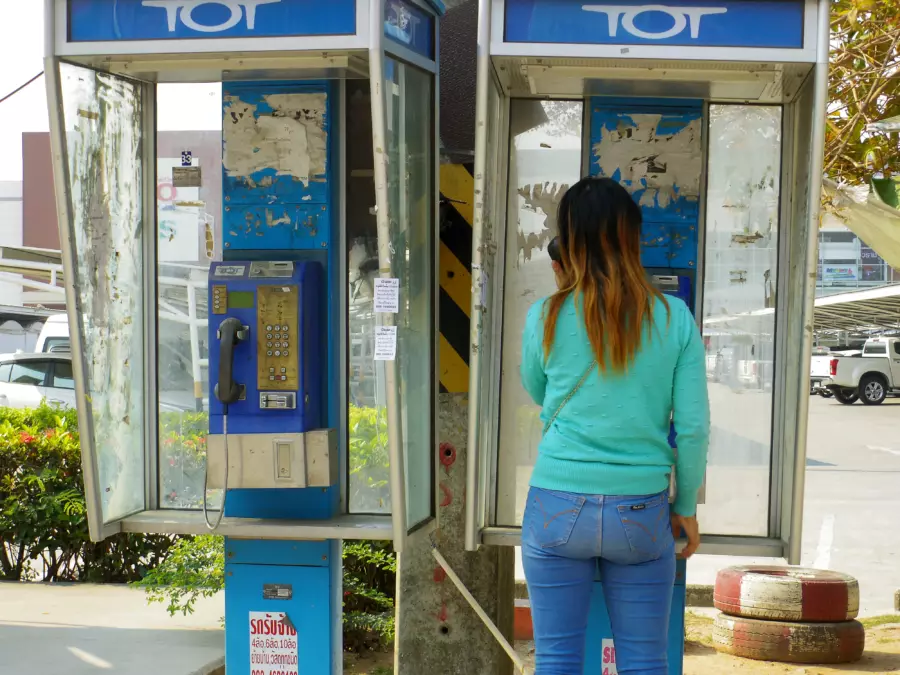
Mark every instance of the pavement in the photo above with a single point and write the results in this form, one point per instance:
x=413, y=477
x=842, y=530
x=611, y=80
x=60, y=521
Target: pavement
x=84, y=629
x=851, y=517
x=851, y=520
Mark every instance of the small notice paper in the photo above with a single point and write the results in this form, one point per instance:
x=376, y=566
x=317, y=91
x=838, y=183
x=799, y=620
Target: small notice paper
x=387, y=295
x=385, y=343
x=609, y=658
x=273, y=644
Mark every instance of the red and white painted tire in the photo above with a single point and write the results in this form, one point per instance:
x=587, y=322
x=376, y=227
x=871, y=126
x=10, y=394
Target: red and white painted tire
x=786, y=642
x=786, y=594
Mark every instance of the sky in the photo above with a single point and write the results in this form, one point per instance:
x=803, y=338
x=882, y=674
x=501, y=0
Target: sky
x=21, y=53
x=180, y=106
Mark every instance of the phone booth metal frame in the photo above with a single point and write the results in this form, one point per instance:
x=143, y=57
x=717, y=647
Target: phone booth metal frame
x=641, y=60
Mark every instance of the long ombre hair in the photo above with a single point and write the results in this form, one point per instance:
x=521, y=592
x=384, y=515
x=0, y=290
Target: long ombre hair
x=600, y=248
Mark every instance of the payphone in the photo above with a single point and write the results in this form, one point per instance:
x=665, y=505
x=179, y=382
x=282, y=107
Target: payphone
x=713, y=119
x=266, y=356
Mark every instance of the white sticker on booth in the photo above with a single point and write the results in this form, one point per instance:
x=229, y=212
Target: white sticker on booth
x=385, y=343
x=273, y=644
x=609, y=658
x=387, y=295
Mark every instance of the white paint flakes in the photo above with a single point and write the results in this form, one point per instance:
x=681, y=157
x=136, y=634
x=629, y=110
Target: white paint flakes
x=663, y=164
x=291, y=139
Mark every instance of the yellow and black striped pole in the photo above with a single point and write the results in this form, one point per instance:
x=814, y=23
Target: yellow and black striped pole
x=457, y=194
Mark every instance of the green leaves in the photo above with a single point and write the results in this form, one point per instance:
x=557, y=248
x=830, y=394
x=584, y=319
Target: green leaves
x=44, y=534
x=194, y=569
x=864, y=88
x=43, y=515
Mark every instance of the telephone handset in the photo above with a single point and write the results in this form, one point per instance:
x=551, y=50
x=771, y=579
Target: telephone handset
x=231, y=332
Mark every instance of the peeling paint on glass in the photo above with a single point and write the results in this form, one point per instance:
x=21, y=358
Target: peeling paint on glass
x=102, y=117
x=670, y=173
x=742, y=212
x=544, y=159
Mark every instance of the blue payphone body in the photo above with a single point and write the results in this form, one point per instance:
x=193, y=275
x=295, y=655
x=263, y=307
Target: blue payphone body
x=653, y=148
x=277, y=364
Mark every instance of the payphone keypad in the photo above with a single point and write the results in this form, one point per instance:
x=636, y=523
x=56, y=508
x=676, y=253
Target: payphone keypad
x=220, y=299
x=277, y=334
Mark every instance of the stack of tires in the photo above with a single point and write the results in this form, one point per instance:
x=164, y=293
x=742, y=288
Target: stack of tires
x=788, y=615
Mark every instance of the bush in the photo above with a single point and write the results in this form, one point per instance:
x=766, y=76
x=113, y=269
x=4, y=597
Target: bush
x=369, y=461
x=44, y=532
x=43, y=517
x=182, y=447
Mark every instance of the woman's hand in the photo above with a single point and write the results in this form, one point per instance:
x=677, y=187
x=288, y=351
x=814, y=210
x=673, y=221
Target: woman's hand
x=691, y=530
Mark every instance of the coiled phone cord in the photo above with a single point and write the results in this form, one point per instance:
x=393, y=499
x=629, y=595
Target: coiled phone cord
x=210, y=526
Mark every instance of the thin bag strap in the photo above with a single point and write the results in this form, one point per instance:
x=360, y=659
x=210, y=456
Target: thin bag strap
x=569, y=397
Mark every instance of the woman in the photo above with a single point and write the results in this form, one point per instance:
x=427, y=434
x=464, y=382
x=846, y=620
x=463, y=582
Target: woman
x=611, y=362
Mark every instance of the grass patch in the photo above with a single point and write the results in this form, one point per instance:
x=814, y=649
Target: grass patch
x=698, y=628
x=876, y=621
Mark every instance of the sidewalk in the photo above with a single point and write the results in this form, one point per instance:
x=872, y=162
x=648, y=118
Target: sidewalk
x=81, y=629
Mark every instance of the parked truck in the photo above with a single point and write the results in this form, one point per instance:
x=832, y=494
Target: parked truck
x=870, y=377
x=819, y=371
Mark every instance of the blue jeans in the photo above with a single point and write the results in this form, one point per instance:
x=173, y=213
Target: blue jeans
x=564, y=536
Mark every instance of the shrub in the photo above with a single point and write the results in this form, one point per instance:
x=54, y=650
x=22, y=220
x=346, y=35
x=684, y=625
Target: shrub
x=369, y=460
x=44, y=532
x=43, y=516
x=182, y=447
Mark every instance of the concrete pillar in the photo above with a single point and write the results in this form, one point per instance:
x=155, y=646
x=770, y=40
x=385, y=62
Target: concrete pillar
x=437, y=631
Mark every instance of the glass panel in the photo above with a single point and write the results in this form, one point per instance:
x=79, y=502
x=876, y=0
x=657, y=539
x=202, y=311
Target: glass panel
x=368, y=464
x=742, y=211
x=544, y=159
x=189, y=120
x=102, y=120
x=62, y=376
x=410, y=143
x=29, y=372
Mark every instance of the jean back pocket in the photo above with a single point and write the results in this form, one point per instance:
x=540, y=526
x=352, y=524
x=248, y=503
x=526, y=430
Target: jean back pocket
x=647, y=526
x=550, y=516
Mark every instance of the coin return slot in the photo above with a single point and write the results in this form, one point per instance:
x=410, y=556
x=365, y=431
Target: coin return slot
x=283, y=453
x=277, y=400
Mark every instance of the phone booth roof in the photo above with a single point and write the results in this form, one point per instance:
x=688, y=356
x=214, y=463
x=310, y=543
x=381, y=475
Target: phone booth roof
x=759, y=51
x=221, y=40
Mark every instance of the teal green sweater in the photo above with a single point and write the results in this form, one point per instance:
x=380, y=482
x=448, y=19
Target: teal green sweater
x=611, y=438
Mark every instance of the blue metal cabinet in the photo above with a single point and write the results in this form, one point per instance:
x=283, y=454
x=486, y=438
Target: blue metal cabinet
x=275, y=577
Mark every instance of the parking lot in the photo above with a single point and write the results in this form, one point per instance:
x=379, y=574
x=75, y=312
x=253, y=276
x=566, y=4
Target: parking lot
x=852, y=505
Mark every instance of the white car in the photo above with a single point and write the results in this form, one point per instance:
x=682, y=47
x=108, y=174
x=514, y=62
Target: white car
x=28, y=379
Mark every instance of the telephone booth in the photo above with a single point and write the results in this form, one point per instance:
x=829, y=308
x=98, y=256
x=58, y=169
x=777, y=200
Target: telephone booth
x=711, y=113
x=247, y=196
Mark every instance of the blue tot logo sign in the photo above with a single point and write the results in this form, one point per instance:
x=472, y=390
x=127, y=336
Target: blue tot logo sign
x=183, y=11
x=682, y=18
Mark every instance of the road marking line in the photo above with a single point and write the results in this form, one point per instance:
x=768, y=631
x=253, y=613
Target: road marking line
x=826, y=541
x=883, y=449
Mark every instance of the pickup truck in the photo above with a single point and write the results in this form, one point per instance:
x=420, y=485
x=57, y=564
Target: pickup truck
x=819, y=371
x=870, y=377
